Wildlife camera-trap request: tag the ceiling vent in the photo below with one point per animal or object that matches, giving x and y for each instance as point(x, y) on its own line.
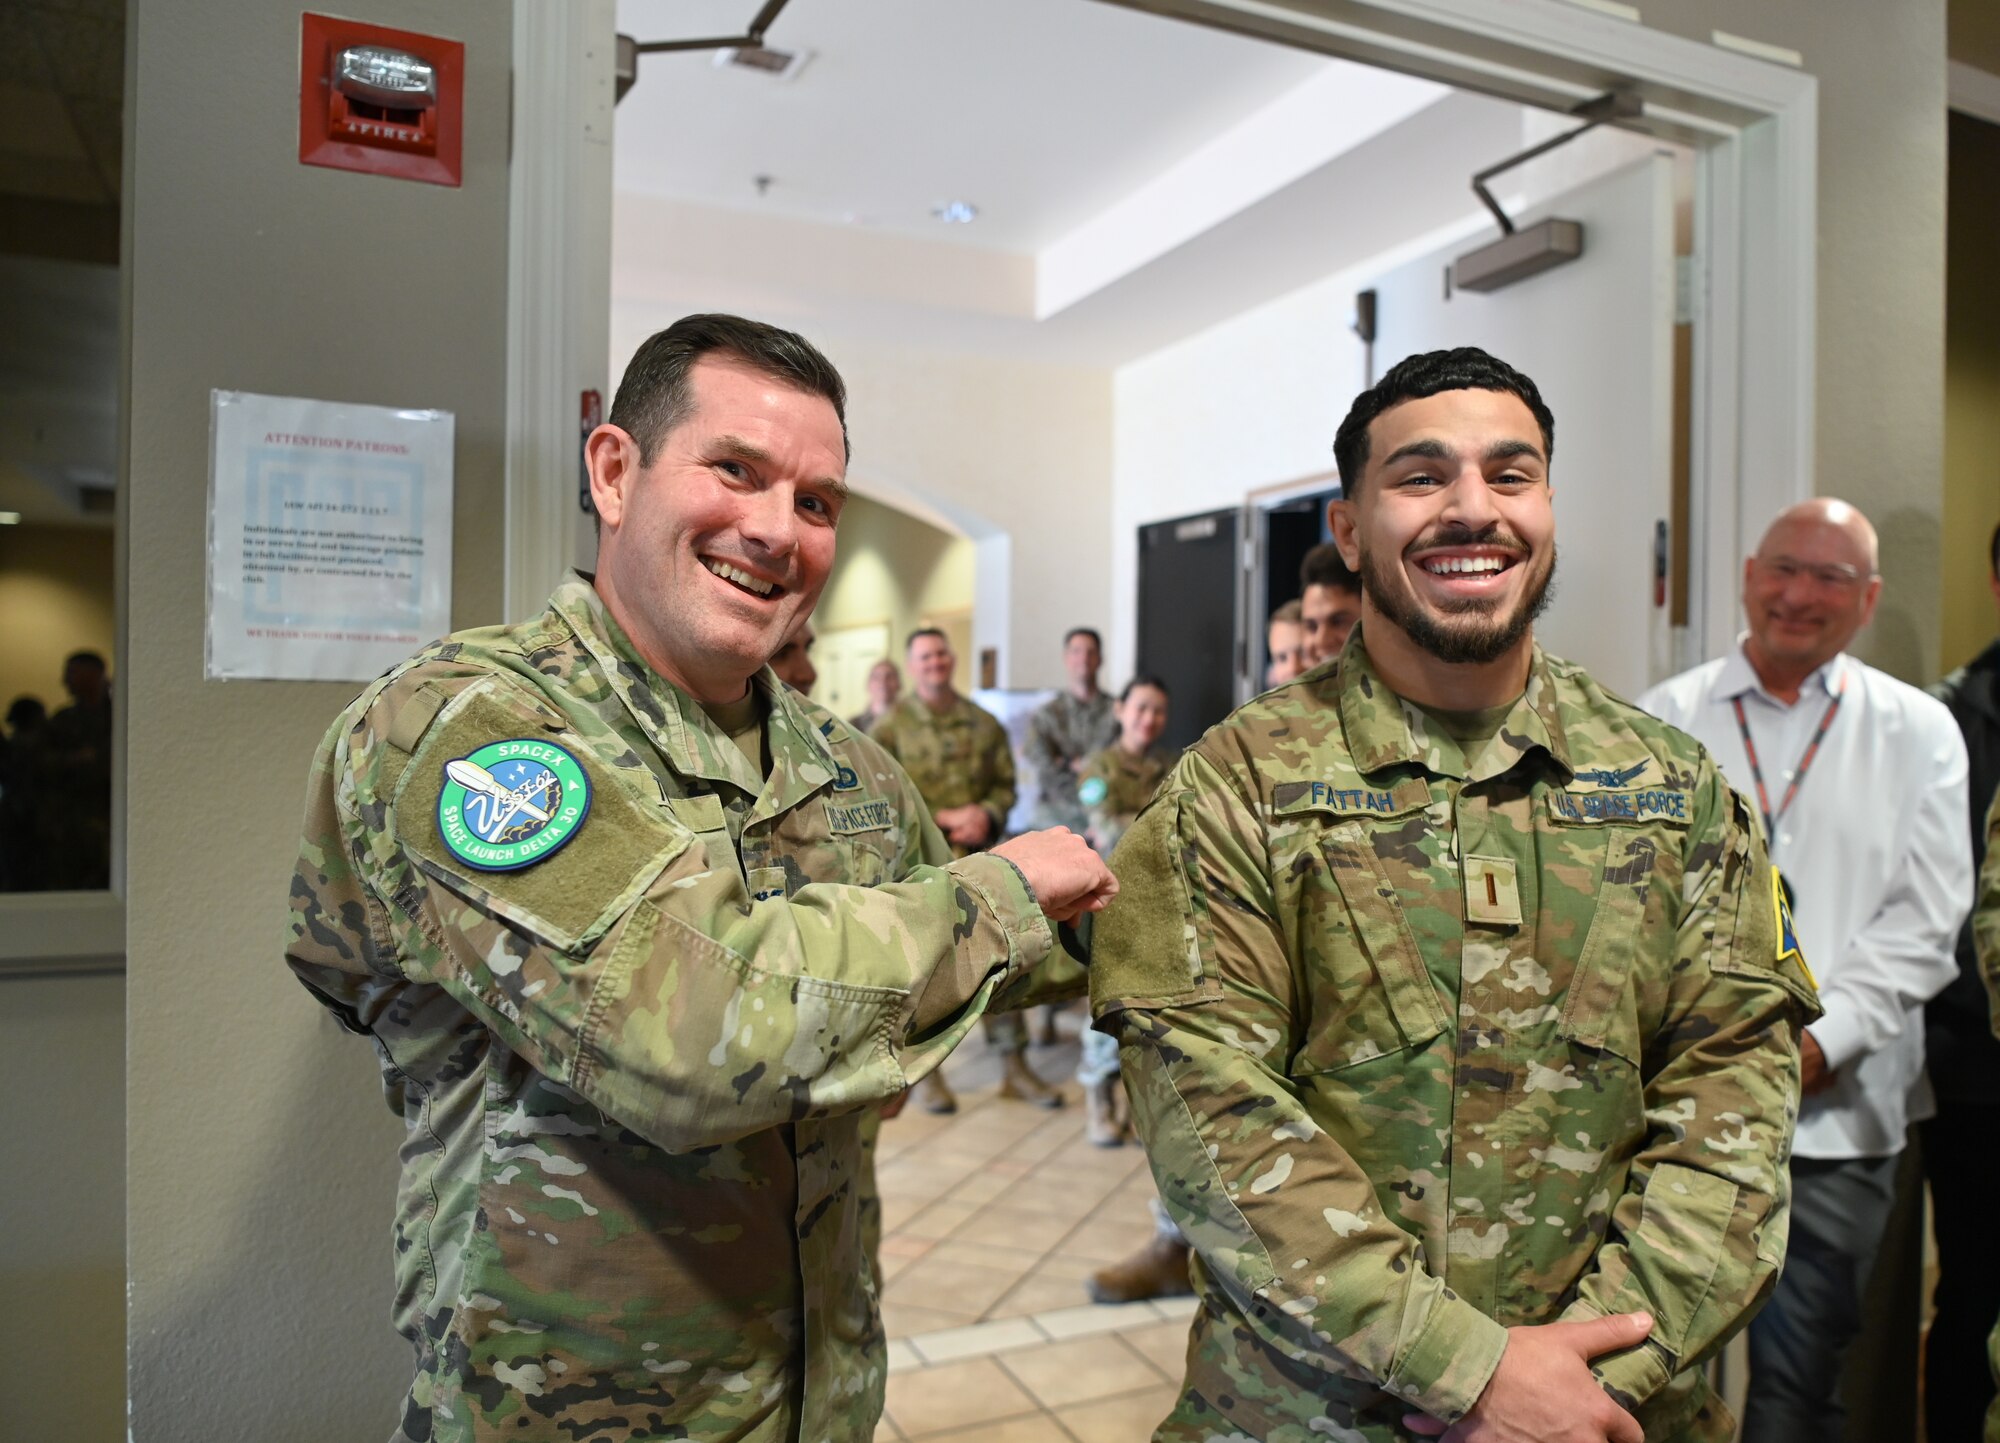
point(763, 60)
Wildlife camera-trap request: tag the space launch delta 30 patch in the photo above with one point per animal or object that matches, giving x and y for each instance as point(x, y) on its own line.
point(511, 804)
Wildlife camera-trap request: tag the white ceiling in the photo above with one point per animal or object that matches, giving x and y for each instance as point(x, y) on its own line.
point(1139, 179)
point(1040, 112)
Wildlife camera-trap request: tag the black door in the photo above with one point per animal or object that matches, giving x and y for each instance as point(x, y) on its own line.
point(1189, 586)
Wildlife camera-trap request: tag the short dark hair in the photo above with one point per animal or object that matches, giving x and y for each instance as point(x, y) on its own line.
point(1090, 631)
point(921, 632)
point(1144, 679)
point(1325, 566)
point(1465, 368)
point(88, 658)
point(654, 396)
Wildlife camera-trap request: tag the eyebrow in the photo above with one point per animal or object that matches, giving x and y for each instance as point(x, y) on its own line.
point(1434, 450)
point(738, 449)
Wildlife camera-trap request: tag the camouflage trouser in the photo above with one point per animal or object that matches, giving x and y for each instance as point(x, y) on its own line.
point(1099, 1059)
point(1006, 1031)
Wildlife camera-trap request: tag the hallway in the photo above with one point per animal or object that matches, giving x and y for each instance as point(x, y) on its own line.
point(992, 1220)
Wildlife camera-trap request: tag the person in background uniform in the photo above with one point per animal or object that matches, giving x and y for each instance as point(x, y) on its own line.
point(958, 757)
point(1455, 996)
point(885, 685)
point(640, 936)
point(1986, 941)
point(1963, 1058)
point(793, 661)
point(1114, 784)
point(1062, 736)
point(1329, 603)
point(1860, 781)
point(73, 782)
point(1067, 732)
point(20, 767)
point(1284, 643)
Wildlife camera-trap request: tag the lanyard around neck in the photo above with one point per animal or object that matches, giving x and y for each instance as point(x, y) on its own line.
point(1771, 819)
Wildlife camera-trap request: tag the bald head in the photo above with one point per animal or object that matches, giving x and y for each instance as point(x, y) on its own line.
point(1811, 586)
point(1835, 522)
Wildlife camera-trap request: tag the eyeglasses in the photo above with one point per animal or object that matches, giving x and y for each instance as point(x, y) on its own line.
point(1832, 577)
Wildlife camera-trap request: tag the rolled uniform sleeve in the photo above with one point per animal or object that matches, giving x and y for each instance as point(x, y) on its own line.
point(1699, 1235)
point(1189, 968)
point(622, 965)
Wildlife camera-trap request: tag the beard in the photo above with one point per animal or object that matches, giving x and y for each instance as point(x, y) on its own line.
point(1465, 632)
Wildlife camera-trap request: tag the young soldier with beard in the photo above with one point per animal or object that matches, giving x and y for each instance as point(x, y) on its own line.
point(1456, 1003)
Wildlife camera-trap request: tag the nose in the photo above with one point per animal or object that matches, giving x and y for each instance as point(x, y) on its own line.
point(1469, 501)
point(768, 520)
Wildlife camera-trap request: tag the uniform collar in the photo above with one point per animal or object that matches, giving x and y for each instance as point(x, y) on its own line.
point(1739, 678)
point(1379, 734)
point(801, 755)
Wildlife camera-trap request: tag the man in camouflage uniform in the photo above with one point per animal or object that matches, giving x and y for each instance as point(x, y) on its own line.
point(1068, 732)
point(641, 937)
point(957, 754)
point(1456, 1000)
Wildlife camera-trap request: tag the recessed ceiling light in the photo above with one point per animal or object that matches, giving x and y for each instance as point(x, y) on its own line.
point(956, 212)
point(10, 518)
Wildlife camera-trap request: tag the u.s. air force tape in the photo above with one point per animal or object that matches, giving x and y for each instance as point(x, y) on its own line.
point(510, 804)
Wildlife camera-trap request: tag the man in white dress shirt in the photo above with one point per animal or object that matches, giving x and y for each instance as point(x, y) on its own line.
point(1861, 782)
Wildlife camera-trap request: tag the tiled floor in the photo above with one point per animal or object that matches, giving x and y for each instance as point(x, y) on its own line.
point(992, 1219)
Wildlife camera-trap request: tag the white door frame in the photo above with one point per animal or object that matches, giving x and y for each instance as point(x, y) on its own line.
point(558, 281)
point(1755, 129)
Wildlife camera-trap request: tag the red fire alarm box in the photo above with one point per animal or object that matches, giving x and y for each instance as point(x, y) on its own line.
point(387, 102)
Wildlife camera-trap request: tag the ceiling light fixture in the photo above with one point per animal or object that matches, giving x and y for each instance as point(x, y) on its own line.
point(956, 212)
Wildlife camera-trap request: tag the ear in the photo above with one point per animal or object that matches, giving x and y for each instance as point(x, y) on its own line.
point(1344, 521)
point(612, 457)
point(1868, 600)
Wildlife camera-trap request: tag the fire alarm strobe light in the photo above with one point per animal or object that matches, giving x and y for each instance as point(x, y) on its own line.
point(384, 101)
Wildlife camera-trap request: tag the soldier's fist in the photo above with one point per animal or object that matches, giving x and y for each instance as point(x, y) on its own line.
point(1068, 877)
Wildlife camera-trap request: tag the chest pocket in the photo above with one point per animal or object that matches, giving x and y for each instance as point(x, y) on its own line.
point(1613, 857)
point(1358, 1014)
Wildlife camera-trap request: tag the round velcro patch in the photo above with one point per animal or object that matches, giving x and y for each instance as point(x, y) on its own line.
point(510, 804)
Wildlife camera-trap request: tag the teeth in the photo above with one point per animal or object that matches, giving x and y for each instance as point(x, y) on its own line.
point(742, 578)
point(1464, 565)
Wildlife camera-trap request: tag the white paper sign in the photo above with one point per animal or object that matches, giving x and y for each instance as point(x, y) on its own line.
point(329, 537)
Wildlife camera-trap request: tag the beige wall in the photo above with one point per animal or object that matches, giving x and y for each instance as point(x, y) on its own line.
point(62, 1262)
point(260, 1158)
point(55, 591)
point(1880, 339)
point(892, 567)
point(1972, 390)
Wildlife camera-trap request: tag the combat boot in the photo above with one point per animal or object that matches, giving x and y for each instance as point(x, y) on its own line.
point(1100, 1123)
point(1158, 1270)
point(933, 1095)
point(1018, 1081)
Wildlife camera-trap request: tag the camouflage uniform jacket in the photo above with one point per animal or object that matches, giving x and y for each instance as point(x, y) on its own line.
point(634, 1072)
point(1059, 734)
point(1396, 1112)
point(1114, 786)
point(957, 758)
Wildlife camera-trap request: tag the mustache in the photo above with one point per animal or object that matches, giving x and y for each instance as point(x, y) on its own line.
point(1457, 533)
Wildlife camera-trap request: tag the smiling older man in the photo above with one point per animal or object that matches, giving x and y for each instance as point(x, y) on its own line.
point(641, 936)
point(1860, 781)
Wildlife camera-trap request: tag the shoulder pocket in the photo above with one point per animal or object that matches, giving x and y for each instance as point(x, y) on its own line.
point(566, 897)
point(1154, 947)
